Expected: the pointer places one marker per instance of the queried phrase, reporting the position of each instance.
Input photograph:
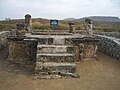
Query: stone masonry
(85, 48)
(55, 57)
(109, 46)
(3, 39)
(109, 34)
(54, 54)
(22, 51)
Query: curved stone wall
(110, 34)
(109, 46)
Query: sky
(58, 9)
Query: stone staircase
(55, 59)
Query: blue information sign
(53, 22)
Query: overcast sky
(58, 9)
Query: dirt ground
(94, 75)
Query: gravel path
(94, 75)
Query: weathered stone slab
(66, 67)
(54, 48)
(55, 57)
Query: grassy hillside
(43, 24)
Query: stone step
(64, 57)
(54, 45)
(54, 67)
(56, 75)
(54, 49)
(52, 70)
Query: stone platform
(53, 56)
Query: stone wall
(3, 38)
(22, 51)
(110, 34)
(109, 46)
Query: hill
(69, 19)
(103, 18)
(97, 18)
(99, 24)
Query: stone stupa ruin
(53, 53)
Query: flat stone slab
(54, 49)
(54, 46)
(57, 64)
(62, 54)
(55, 58)
(51, 33)
(55, 67)
(56, 36)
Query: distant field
(43, 24)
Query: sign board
(53, 23)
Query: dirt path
(94, 75)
